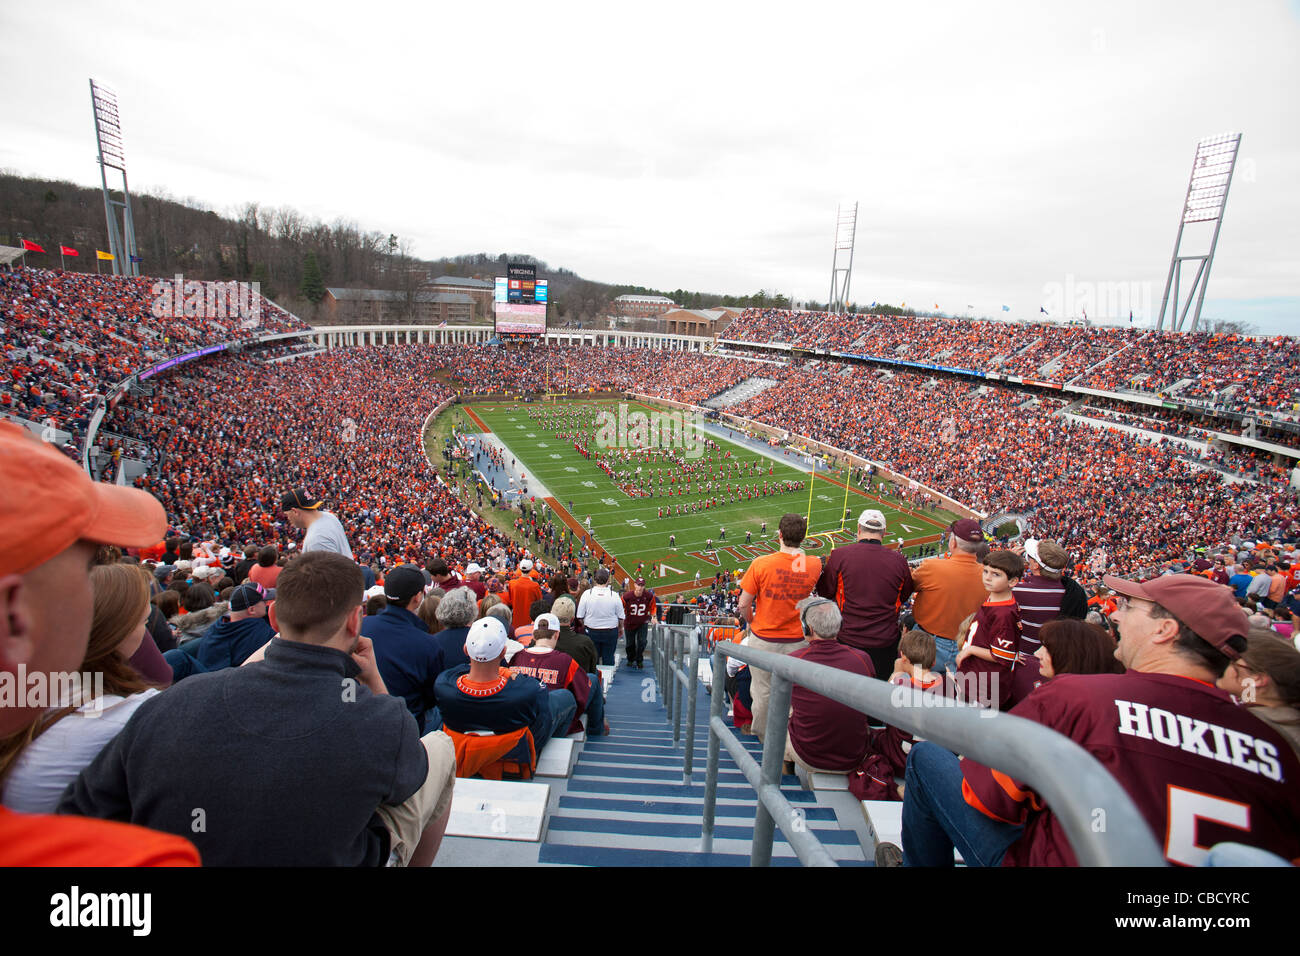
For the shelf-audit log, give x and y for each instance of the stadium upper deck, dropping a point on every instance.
(1233, 372)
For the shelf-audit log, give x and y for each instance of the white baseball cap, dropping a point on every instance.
(486, 640)
(525, 565)
(472, 568)
(550, 620)
(872, 520)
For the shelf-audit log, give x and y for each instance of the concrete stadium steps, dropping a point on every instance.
(626, 803)
(740, 392)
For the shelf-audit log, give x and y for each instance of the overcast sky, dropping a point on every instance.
(1004, 153)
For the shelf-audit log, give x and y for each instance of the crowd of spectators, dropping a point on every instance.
(1233, 372)
(68, 335)
(1096, 488)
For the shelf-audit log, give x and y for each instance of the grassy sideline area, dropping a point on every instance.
(630, 528)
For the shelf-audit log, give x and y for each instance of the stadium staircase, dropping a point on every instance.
(627, 803)
(740, 392)
(625, 800)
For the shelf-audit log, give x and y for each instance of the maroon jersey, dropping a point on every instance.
(637, 610)
(996, 628)
(1200, 769)
(823, 732)
(557, 671)
(870, 583)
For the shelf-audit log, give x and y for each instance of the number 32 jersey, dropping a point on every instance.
(1199, 767)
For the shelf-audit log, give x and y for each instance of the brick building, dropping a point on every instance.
(388, 307)
(642, 306)
(479, 291)
(699, 321)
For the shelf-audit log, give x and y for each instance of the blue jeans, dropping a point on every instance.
(936, 818)
(945, 655)
(595, 707)
(183, 664)
(563, 709)
(606, 641)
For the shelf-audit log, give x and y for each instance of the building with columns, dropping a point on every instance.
(343, 336)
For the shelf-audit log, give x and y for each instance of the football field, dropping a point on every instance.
(626, 511)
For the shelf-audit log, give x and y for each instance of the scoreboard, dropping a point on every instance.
(519, 301)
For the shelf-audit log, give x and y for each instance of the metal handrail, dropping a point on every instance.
(1070, 780)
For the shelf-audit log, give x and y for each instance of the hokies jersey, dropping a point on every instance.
(1200, 768)
(637, 610)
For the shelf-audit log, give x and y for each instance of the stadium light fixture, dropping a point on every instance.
(1207, 195)
(112, 154)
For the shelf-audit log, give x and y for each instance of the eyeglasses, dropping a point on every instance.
(1123, 603)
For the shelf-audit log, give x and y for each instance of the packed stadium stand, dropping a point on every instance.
(1130, 488)
(1232, 372)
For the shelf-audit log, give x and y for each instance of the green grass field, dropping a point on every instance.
(629, 529)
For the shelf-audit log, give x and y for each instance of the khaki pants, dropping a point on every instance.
(406, 821)
(793, 757)
(760, 681)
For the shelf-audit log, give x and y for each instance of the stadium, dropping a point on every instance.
(802, 560)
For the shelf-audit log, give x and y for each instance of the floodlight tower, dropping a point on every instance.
(108, 141)
(1207, 194)
(846, 229)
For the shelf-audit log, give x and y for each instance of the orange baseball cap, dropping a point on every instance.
(48, 503)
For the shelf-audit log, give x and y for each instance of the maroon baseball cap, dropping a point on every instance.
(967, 529)
(1209, 609)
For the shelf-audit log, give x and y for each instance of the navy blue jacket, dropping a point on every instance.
(408, 657)
(228, 643)
(522, 702)
(451, 641)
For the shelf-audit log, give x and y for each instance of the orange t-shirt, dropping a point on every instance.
(264, 576)
(778, 582)
(35, 839)
(521, 593)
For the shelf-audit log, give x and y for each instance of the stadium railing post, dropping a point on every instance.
(679, 649)
(716, 729)
(692, 681)
(1070, 780)
(778, 717)
(670, 683)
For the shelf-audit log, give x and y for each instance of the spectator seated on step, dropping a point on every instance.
(555, 669)
(408, 659)
(485, 696)
(825, 735)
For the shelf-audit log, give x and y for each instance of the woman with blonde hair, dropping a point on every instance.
(38, 763)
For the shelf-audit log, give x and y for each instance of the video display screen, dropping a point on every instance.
(514, 318)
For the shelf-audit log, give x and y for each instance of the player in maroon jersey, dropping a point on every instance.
(1200, 769)
(638, 608)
